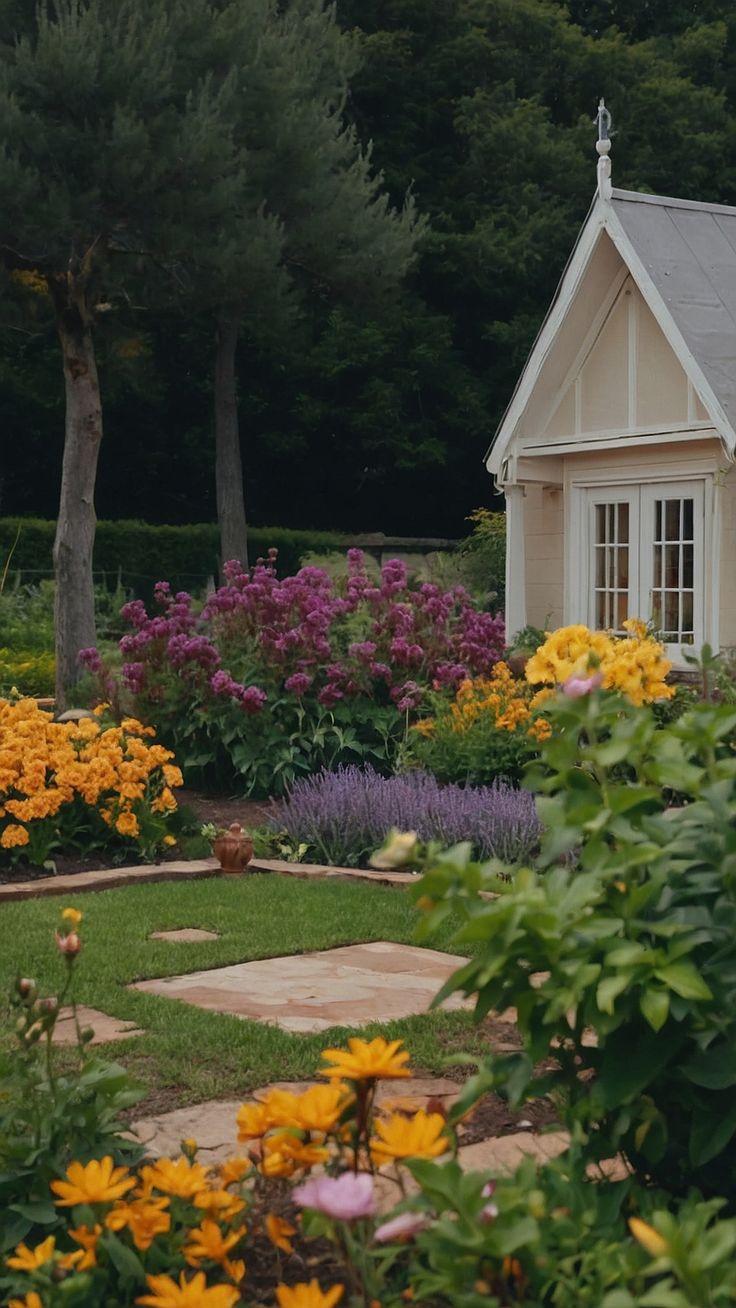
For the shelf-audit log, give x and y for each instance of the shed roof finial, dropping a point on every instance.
(603, 147)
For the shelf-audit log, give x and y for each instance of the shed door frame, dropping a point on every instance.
(641, 498)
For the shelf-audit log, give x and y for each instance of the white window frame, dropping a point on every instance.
(612, 487)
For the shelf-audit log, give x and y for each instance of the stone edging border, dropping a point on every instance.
(195, 870)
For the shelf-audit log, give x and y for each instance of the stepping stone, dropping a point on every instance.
(503, 1153)
(214, 1128)
(349, 986)
(212, 1125)
(106, 1029)
(185, 935)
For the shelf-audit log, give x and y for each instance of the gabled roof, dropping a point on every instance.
(682, 255)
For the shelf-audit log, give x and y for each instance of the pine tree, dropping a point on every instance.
(112, 164)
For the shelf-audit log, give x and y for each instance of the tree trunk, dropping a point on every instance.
(74, 610)
(228, 464)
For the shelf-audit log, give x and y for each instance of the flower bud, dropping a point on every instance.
(400, 848)
(49, 1005)
(26, 987)
(69, 944)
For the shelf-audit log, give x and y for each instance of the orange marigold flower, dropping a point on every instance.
(233, 1170)
(14, 836)
(96, 1183)
(32, 1300)
(654, 1243)
(127, 824)
(419, 1136)
(82, 1259)
(367, 1060)
(318, 1109)
(308, 1295)
(284, 1154)
(253, 1121)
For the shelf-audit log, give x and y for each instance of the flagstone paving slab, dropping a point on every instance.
(213, 1126)
(106, 1029)
(503, 1153)
(184, 935)
(349, 986)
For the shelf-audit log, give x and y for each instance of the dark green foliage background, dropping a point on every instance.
(485, 108)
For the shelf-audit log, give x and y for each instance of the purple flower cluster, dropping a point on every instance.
(344, 815)
(304, 638)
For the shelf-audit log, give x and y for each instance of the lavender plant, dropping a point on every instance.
(343, 816)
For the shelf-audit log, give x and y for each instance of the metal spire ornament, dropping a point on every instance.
(603, 147)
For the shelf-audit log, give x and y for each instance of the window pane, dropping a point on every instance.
(600, 609)
(600, 523)
(687, 616)
(623, 568)
(672, 519)
(687, 533)
(687, 565)
(672, 565)
(622, 609)
(611, 522)
(672, 612)
(623, 524)
(600, 566)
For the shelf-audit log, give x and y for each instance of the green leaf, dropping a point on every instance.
(38, 1210)
(655, 1007)
(683, 978)
(609, 989)
(711, 1132)
(123, 1259)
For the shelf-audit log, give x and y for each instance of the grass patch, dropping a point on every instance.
(187, 1054)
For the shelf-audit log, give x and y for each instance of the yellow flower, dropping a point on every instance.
(144, 1218)
(278, 1232)
(29, 1260)
(82, 1259)
(367, 1060)
(219, 1201)
(318, 1109)
(32, 1300)
(180, 1178)
(208, 1242)
(169, 840)
(72, 915)
(188, 1294)
(308, 1295)
(419, 1136)
(233, 1170)
(284, 1154)
(97, 1183)
(253, 1121)
(654, 1243)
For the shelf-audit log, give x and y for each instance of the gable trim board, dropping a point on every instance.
(603, 218)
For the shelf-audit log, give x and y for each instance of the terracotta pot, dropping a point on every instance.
(517, 663)
(234, 848)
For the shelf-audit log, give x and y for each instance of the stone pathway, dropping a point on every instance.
(349, 986)
(106, 1029)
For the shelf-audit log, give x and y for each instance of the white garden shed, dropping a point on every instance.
(616, 453)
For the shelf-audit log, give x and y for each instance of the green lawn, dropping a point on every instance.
(187, 1054)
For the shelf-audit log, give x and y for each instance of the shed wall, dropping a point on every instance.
(544, 524)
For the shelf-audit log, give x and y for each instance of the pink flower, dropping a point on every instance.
(68, 945)
(345, 1198)
(575, 687)
(403, 1227)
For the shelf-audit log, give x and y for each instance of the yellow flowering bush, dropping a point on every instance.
(634, 664)
(30, 672)
(80, 785)
(489, 730)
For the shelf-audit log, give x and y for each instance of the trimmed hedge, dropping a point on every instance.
(142, 554)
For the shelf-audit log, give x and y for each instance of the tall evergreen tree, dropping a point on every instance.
(110, 163)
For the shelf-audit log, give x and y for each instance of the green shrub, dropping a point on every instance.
(483, 555)
(51, 1114)
(138, 554)
(630, 915)
(27, 671)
